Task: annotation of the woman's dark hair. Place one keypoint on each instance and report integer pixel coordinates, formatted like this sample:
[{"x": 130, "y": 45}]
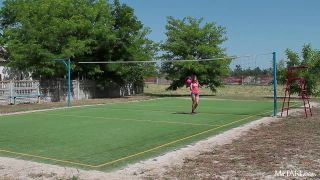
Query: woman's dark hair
[{"x": 194, "y": 78}]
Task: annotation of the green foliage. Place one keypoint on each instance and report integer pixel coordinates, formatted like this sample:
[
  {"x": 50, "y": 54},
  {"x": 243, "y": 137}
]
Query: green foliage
[
  {"x": 309, "y": 57},
  {"x": 282, "y": 72},
  {"x": 37, "y": 31},
  {"x": 131, "y": 45},
  {"x": 189, "y": 39}
]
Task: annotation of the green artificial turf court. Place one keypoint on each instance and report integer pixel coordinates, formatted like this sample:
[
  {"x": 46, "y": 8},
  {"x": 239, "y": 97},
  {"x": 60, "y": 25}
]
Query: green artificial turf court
[{"x": 106, "y": 136}]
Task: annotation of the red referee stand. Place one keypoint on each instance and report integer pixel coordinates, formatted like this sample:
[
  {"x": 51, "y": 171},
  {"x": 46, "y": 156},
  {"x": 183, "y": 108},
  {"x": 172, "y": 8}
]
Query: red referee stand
[{"x": 303, "y": 90}]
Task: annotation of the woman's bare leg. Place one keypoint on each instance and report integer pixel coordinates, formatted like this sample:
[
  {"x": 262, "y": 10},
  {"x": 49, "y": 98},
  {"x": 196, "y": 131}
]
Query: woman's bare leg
[
  {"x": 193, "y": 103},
  {"x": 196, "y": 102}
]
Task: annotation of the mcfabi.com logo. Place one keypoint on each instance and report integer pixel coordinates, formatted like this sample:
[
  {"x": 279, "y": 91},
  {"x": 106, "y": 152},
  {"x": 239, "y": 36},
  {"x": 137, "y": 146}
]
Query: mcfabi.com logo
[{"x": 294, "y": 173}]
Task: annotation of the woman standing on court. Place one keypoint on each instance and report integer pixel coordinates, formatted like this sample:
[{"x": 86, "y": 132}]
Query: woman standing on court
[{"x": 194, "y": 88}]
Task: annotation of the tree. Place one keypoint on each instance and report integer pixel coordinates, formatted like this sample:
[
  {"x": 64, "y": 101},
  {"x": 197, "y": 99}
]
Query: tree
[
  {"x": 309, "y": 57},
  {"x": 3, "y": 53},
  {"x": 282, "y": 72},
  {"x": 237, "y": 71},
  {"x": 189, "y": 39},
  {"x": 37, "y": 31},
  {"x": 131, "y": 44}
]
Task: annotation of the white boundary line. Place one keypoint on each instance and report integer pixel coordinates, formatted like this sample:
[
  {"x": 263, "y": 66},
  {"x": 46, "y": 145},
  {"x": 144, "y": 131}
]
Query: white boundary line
[
  {"x": 134, "y": 120},
  {"x": 79, "y": 106},
  {"x": 173, "y": 112}
]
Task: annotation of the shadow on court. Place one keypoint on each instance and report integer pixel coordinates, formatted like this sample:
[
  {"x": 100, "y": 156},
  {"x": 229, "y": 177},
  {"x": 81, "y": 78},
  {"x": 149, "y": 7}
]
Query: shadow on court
[
  {"x": 174, "y": 95},
  {"x": 220, "y": 113},
  {"x": 182, "y": 113}
]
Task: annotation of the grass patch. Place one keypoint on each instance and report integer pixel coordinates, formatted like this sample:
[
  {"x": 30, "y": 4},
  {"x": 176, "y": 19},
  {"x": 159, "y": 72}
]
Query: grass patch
[{"x": 112, "y": 135}]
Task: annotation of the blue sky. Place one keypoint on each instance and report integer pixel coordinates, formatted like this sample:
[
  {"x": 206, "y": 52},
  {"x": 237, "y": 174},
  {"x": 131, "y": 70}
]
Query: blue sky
[{"x": 253, "y": 26}]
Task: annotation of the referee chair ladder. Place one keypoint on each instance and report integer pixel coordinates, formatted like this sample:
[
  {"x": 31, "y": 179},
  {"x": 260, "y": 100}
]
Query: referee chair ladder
[{"x": 303, "y": 91}]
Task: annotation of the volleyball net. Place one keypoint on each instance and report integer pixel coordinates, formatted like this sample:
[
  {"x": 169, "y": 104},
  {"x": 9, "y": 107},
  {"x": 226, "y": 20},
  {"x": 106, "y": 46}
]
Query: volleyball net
[{"x": 233, "y": 77}]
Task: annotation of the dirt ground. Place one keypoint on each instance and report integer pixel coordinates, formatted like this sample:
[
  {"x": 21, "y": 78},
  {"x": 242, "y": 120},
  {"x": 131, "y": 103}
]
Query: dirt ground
[
  {"x": 270, "y": 148},
  {"x": 289, "y": 148},
  {"x": 50, "y": 105}
]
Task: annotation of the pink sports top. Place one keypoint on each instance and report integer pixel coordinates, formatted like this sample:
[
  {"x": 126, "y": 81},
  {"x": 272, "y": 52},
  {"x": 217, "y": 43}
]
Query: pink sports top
[{"x": 195, "y": 88}]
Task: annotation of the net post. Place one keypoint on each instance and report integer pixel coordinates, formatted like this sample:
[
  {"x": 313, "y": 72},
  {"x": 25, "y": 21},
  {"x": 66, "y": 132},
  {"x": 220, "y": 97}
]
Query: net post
[
  {"x": 69, "y": 83},
  {"x": 274, "y": 84}
]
